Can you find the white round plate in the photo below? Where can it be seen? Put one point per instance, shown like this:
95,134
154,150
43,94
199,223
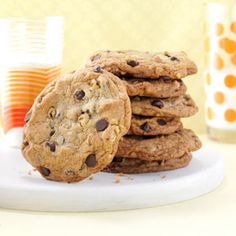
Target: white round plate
23,188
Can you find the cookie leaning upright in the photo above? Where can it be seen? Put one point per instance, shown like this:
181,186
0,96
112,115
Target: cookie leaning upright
75,124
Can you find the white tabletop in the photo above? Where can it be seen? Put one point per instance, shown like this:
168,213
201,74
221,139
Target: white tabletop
212,214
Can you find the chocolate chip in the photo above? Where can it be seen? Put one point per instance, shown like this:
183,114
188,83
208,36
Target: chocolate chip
79,94
44,171
98,69
27,117
25,143
145,126
187,98
161,122
174,59
98,83
88,112
157,103
167,54
132,63
101,125
52,112
117,159
52,147
159,162
91,160
52,132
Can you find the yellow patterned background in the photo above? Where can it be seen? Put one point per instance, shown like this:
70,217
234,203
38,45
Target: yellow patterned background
153,25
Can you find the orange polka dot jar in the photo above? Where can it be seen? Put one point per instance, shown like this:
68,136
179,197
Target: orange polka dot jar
31,57
220,74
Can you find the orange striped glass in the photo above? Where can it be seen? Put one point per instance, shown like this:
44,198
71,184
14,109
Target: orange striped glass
31,56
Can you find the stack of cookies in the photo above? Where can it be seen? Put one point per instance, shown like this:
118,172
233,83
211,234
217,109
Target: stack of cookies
156,139
119,114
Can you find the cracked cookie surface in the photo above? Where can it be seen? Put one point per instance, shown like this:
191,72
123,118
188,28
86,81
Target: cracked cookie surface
149,126
182,106
163,147
137,166
175,65
75,124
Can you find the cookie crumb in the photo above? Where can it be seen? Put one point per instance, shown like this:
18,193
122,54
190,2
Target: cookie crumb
130,178
120,174
163,176
29,172
117,178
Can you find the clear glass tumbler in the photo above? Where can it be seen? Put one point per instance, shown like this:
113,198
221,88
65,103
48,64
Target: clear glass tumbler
220,74
31,57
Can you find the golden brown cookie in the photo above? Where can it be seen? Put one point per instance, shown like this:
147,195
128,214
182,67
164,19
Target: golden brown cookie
137,166
160,147
149,126
159,88
75,124
175,65
182,106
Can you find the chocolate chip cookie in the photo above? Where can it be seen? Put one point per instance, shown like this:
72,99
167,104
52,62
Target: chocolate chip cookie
75,124
137,166
160,88
175,65
182,106
160,147
149,126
